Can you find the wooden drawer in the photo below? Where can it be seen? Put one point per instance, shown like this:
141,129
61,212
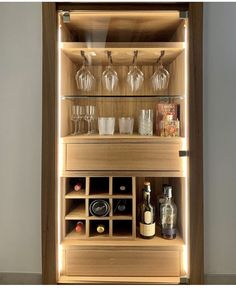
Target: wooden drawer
91,262
147,157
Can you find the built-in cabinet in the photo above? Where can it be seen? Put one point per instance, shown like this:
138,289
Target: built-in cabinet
100,162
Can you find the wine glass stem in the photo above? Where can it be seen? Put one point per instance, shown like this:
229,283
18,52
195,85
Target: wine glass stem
89,126
75,132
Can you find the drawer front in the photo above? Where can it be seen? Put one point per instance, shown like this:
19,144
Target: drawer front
121,263
149,157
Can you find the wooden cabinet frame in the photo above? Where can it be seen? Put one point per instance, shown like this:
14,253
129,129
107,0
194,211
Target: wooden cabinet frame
49,131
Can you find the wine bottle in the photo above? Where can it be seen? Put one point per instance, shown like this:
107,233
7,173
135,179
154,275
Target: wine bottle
121,206
78,186
79,227
101,228
168,215
147,212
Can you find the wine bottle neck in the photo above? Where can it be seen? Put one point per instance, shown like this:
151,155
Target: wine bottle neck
146,197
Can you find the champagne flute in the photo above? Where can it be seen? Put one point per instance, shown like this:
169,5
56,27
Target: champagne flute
109,76
90,118
74,118
81,113
135,76
85,80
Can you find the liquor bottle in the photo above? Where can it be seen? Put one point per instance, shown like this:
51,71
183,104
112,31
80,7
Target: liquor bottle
79,227
168,215
101,228
147,213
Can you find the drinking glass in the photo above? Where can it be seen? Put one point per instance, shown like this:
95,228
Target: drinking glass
81,114
90,118
126,125
135,76
160,78
106,125
74,118
85,80
109,76
146,122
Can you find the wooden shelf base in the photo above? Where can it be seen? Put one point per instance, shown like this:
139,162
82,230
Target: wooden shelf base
118,280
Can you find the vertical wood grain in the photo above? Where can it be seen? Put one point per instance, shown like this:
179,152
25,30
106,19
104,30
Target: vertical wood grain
49,145
196,144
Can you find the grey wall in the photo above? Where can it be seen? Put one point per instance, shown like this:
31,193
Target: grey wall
20,137
220,137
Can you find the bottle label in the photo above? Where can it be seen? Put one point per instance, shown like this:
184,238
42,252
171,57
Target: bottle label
168,217
147,217
147,229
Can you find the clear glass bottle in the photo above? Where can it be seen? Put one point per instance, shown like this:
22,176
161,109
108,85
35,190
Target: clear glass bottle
168,215
169,127
147,214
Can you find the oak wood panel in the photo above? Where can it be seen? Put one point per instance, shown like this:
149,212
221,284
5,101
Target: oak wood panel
49,145
122,52
162,157
123,173
156,243
120,138
196,143
118,280
124,25
95,262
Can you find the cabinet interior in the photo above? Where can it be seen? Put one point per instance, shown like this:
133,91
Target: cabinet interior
121,32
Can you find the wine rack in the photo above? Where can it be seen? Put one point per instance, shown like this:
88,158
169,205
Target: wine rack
76,207
118,224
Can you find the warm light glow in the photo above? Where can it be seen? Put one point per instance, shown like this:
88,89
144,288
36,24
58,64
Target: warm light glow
59,158
186,160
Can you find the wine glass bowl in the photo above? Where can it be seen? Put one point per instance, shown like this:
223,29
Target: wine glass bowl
135,79
109,76
160,78
135,76
85,80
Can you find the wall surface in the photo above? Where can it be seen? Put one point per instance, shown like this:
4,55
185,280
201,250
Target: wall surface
20,136
220,137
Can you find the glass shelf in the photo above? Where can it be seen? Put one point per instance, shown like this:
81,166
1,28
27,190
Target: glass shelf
126,98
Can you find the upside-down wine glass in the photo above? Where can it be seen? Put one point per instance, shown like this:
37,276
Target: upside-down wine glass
109,76
85,80
135,76
160,78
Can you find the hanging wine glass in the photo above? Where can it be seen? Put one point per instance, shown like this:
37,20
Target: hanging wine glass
109,76
135,76
85,80
160,78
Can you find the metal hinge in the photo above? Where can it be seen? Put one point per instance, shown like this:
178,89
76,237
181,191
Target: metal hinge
183,14
66,16
184,280
184,153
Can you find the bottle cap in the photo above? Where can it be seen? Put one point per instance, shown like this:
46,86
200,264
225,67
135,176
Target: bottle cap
100,228
147,187
168,191
147,183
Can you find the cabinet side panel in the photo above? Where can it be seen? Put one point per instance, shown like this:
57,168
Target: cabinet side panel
49,144
196,146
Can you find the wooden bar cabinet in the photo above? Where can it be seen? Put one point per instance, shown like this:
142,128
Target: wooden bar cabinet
100,162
